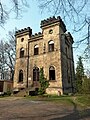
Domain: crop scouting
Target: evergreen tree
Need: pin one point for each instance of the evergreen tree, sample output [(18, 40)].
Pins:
[(43, 82), (79, 75), (79, 69), (86, 86)]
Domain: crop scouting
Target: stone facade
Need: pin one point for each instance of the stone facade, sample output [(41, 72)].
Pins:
[(52, 50)]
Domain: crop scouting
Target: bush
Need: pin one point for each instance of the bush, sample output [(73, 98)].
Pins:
[(83, 87), (43, 83), (78, 86)]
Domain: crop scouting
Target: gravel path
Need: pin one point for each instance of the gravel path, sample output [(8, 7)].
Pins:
[(17, 108)]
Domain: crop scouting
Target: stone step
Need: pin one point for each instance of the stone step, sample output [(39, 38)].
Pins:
[(21, 93), (24, 92)]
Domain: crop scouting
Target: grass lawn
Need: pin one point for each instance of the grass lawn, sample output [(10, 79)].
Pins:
[(83, 100), (78, 100)]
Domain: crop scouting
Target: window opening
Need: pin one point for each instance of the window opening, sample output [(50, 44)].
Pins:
[(36, 49), (51, 46), (21, 52), (51, 73), (20, 76), (36, 74)]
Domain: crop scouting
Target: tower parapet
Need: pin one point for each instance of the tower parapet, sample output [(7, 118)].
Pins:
[(36, 36), (69, 37), (39, 34), (53, 20), (24, 31)]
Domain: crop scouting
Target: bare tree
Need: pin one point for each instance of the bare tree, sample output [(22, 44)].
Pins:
[(72, 10), (2, 62), (9, 48), (7, 52), (15, 6), (75, 11)]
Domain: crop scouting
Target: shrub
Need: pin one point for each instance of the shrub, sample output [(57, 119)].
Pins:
[(44, 83), (86, 86)]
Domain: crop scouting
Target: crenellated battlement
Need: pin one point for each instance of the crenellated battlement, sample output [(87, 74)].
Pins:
[(52, 20), (24, 31), (36, 35)]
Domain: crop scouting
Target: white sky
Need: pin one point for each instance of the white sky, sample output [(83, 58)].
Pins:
[(32, 18)]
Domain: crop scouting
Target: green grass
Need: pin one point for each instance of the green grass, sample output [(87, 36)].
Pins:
[(62, 100), (84, 100), (77, 100), (1, 96)]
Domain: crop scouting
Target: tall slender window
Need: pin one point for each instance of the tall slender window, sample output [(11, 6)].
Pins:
[(36, 74), (51, 73), (36, 50), (20, 76), (66, 52), (21, 52), (50, 46)]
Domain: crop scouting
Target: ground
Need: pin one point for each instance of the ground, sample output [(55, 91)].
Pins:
[(18, 108)]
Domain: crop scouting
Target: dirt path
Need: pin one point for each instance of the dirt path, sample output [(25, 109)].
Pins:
[(17, 108)]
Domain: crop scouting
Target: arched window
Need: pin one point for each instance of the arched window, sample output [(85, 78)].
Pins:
[(21, 52), (36, 74), (36, 49), (51, 73), (50, 46), (20, 76)]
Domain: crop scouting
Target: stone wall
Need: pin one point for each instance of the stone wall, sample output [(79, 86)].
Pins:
[(52, 29)]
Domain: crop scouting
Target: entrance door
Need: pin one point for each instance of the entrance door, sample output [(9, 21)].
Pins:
[(36, 77)]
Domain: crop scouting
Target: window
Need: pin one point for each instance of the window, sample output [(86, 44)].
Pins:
[(51, 73), (21, 52), (50, 31), (66, 50), (22, 39), (1, 86), (51, 46), (36, 49), (36, 74), (20, 76), (69, 79)]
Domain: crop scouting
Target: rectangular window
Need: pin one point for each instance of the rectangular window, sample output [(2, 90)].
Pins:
[(35, 51), (21, 54), (51, 47)]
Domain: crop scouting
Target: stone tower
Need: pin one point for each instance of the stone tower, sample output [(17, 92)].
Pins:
[(21, 62), (52, 50)]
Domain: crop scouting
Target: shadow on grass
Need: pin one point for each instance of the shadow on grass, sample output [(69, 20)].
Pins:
[(75, 115)]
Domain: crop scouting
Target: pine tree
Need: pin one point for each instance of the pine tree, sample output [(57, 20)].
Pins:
[(79, 75), (79, 69)]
